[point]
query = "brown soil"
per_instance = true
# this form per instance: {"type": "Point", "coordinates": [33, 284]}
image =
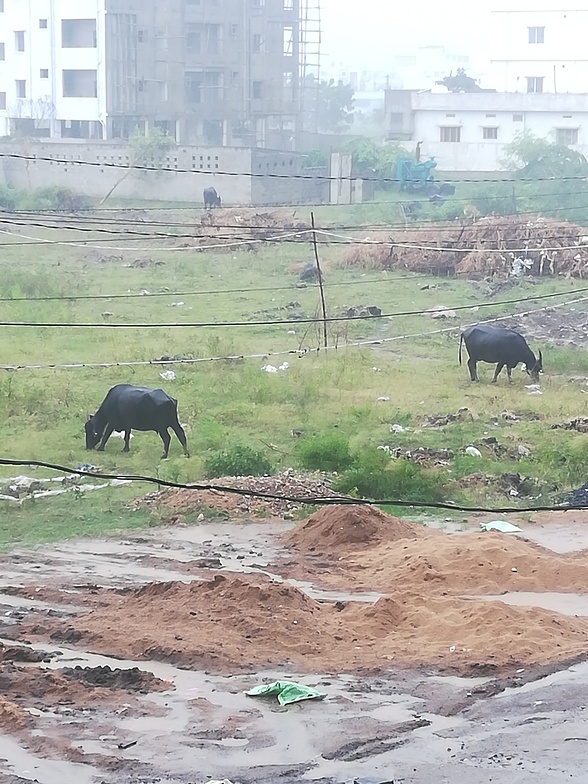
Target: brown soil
{"type": "Point", "coordinates": [246, 623]}
{"type": "Point", "coordinates": [174, 505]}
{"type": "Point", "coordinates": [340, 528]}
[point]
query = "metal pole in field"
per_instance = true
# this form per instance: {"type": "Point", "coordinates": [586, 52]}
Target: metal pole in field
{"type": "Point", "coordinates": [320, 277]}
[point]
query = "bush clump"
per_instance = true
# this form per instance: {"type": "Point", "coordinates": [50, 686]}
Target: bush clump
{"type": "Point", "coordinates": [328, 452]}
{"type": "Point", "coordinates": [374, 475]}
{"type": "Point", "coordinates": [239, 460]}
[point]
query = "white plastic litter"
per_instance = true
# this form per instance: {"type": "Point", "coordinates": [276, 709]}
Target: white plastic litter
{"type": "Point", "coordinates": [284, 366]}
{"type": "Point", "coordinates": [473, 452]}
{"type": "Point", "coordinates": [383, 399]}
{"type": "Point", "coordinates": [502, 526]}
{"type": "Point", "coordinates": [269, 369]}
{"type": "Point", "coordinates": [397, 429]}
{"type": "Point", "coordinates": [168, 375]}
{"type": "Point", "coordinates": [176, 304]}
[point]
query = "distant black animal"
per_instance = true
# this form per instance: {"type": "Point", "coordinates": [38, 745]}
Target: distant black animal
{"type": "Point", "coordinates": [310, 272]}
{"type": "Point", "coordinates": [503, 346]}
{"type": "Point", "coordinates": [127, 408]}
{"type": "Point", "coordinates": [211, 198]}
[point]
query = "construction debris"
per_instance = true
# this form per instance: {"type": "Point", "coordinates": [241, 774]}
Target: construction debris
{"type": "Point", "coordinates": [503, 246]}
{"type": "Point", "coordinates": [287, 483]}
{"type": "Point", "coordinates": [579, 424]}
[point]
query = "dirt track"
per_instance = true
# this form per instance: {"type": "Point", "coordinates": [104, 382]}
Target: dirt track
{"type": "Point", "coordinates": [346, 604]}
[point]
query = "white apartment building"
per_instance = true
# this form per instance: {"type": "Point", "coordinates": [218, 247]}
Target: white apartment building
{"type": "Point", "coordinates": [207, 72]}
{"type": "Point", "coordinates": [538, 46]}
{"type": "Point", "coordinates": [52, 77]}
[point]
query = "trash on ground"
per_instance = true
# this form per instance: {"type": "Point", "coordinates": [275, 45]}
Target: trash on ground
{"type": "Point", "coordinates": [473, 452]}
{"type": "Point", "coordinates": [168, 375]}
{"type": "Point", "coordinates": [383, 399]}
{"type": "Point", "coordinates": [269, 369]}
{"type": "Point", "coordinates": [287, 692]}
{"type": "Point", "coordinates": [502, 526]}
{"type": "Point", "coordinates": [397, 429]}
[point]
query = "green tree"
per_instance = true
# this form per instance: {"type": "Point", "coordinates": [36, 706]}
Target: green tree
{"type": "Point", "coordinates": [381, 158]}
{"type": "Point", "coordinates": [145, 150]}
{"type": "Point", "coordinates": [555, 177]}
{"type": "Point", "coordinates": [331, 102]}
{"type": "Point", "coordinates": [460, 83]}
{"type": "Point", "coordinates": [531, 157]}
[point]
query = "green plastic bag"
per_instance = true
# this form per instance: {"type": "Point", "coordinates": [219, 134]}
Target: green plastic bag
{"type": "Point", "coordinates": [286, 691]}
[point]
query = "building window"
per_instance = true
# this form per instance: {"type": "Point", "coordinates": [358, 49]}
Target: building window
{"type": "Point", "coordinates": [193, 39]}
{"type": "Point", "coordinates": [489, 133]}
{"type": "Point", "coordinates": [193, 87]}
{"type": "Point", "coordinates": [80, 84]}
{"type": "Point", "coordinates": [517, 118]}
{"type": "Point", "coordinates": [42, 24]}
{"type": "Point", "coordinates": [288, 40]}
{"type": "Point", "coordinates": [2, 11]}
{"type": "Point", "coordinates": [2, 101]}
{"type": "Point", "coordinates": [2, 52]}
{"type": "Point", "coordinates": [450, 133]}
{"type": "Point", "coordinates": [257, 43]}
{"type": "Point", "coordinates": [141, 36]}
{"type": "Point", "coordinates": [21, 88]}
{"type": "Point", "coordinates": [19, 40]}
{"type": "Point", "coordinates": [534, 84]}
{"type": "Point", "coordinates": [490, 115]}
{"type": "Point", "coordinates": [536, 35]}
{"type": "Point", "coordinates": [256, 90]}
{"type": "Point", "coordinates": [44, 73]}
{"type": "Point", "coordinates": [566, 136]}
{"type": "Point", "coordinates": [234, 30]}
{"type": "Point", "coordinates": [288, 5]}
{"type": "Point", "coordinates": [78, 34]}
{"type": "Point", "coordinates": [212, 36]}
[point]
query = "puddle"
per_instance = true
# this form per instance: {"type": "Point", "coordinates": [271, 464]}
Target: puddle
{"type": "Point", "coordinates": [564, 603]}
{"type": "Point", "coordinates": [559, 537]}
{"type": "Point", "coordinates": [18, 762]}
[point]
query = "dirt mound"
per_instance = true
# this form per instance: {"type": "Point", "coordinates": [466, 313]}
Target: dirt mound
{"type": "Point", "coordinates": [219, 226]}
{"type": "Point", "coordinates": [443, 248]}
{"type": "Point", "coordinates": [133, 680]}
{"type": "Point", "coordinates": [287, 483]}
{"type": "Point", "coordinates": [471, 563]}
{"type": "Point", "coordinates": [248, 623]}
{"type": "Point", "coordinates": [340, 528]}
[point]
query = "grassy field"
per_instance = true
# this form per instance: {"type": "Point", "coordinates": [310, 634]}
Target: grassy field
{"type": "Point", "coordinates": [225, 403]}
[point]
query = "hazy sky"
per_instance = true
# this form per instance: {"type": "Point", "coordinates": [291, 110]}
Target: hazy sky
{"type": "Point", "coordinates": [365, 33]}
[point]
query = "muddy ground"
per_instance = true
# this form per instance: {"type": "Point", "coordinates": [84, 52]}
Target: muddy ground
{"type": "Point", "coordinates": [443, 657]}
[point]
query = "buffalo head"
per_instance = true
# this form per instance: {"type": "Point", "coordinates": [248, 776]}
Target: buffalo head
{"type": "Point", "coordinates": [92, 435]}
{"type": "Point", "coordinates": [537, 368]}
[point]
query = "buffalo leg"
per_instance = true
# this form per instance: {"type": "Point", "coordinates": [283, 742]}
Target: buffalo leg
{"type": "Point", "coordinates": [107, 433]}
{"type": "Point", "coordinates": [499, 367]}
{"type": "Point", "coordinates": [127, 447]}
{"type": "Point", "coordinates": [166, 438]}
{"type": "Point", "coordinates": [472, 367]}
{"type": "Point", "coordinates": [509, 374]}
{"type": "Point", "coordinates": [179, 431]}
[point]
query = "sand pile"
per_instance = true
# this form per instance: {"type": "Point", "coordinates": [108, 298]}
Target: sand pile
{"type": "Point", "coordinates": [471, 563]}
{"type": "Point", "coordinates": [443, 248]}
{"type": "Point", "coordinates": [245, 623]}
{"type": "Point", "coordinates": [341, 528]}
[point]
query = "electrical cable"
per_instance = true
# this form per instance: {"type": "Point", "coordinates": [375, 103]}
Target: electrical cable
{"type": "Point", "coordinates": [271, 175]}
{"type": "Point", "coordinates": [304, 500]}
{"type": "Point", "coordinates": [281, 322]}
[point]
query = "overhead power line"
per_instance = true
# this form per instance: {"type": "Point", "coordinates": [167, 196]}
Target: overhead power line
{"type": "Point", "coordinates": [281, 322]}
{"type": "Point", "coordinates": [308, 500]}
{"type": "Point", "coordinates": [271, 175]}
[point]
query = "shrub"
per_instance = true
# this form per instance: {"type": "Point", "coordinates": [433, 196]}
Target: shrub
{"type": "Point", "coordinates": [7, 198]}
{"type": "Point", "coordinates": [374, 475]}
{"type": "Point", "coordinates": [327, 452]}
{"type": "Point", "coordinates": [239, 460]}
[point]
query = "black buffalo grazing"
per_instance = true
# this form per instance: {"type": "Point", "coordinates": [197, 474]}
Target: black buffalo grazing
{"type": "Point", "coordinates": [127, 408]}
{"type": "Point", "coordinates": [503, 346]}
{"type": "Point", "coordinates": [211, 198]}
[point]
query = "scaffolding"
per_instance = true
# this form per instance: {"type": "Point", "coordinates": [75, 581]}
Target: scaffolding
{"type": "Point", "coordinates": [310, 62]}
